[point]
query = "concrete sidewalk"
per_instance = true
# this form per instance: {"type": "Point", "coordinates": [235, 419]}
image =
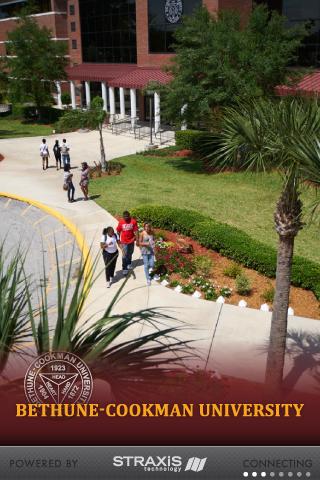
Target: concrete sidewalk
{"type": "Point", "coordinates": [227, 338]}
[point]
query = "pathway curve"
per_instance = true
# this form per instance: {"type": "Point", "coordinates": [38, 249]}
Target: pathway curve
{"type": "Point", "coordinates": [227, 338]}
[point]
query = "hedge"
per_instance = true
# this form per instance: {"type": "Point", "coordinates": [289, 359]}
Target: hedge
{"type": "Point", "coordinates": [189, 139]}
{"type": "Point", "coordinates": [71, 121]}
{"type": "Point", "coordinates": [230, 242]}
{"type": "Point", "coordinates": [47, 114]}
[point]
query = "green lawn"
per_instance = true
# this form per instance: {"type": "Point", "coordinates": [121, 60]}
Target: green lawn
{"type": "Point", "coordinates": [15, 128]}
{"type": "Point", "coordinates": [244, 200]}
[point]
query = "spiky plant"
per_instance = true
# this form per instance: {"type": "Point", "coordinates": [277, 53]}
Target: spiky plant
{"type": "Point", "coordinates": [262, 136]}
{"type": "Point", "coordinates": [14, 320]}
{"type": "Point", "coordinates": [125, 364]}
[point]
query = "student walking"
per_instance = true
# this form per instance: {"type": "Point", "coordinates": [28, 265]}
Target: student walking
{"type": "Point", "coordinates": [44, 154]}
{"type": "Point", "coordinates": [84, 182]}
{"type": "Point", "coordinates": [68, 184]}
{"type": "Point", "coordinates": [128, 231]}
{"type": "Point", "coordinates": [57, 154]}
{"type": "Point", "coordinates": [65, 152]}
{"type": "Point", "coordinates": [147, 244]}
{"type": "Point", "coordinates": [109, 244]}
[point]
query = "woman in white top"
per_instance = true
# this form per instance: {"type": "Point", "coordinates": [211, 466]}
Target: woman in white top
{"type": "Point", "coordinates": [109, 244]}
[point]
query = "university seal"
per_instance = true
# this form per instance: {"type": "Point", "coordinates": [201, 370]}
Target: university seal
{"type": "Point", "coordinates": [58, 377]}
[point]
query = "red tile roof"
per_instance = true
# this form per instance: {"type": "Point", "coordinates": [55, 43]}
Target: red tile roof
{"type": "Point", "coordinates": [309, 85]}
{"type": "Point", "coordinates": [98, 72]}
{"type": "Point", "coordinates": [140, 77]}
{"type": "Point", "coordinates": [118, 75]}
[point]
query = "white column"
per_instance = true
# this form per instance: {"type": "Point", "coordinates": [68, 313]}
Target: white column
{"type": "Point", "coordinates": [59, 102]}
{"type": "Point", "coordinates": [157, 118]}
{"type": "Point", "coordinates": [88, 95]}
{"type": "Point", "coordinates": [112, 103]}
{"type": "Point", "coordinates": [104, 95]}
{"type": "Point", "coordinates": [122, 104]}
{"type": "Point", "coordinates": [133, 106]}
{"type": "Point", "coordinates": [184, 125]}
{"type": "Point", "coordinates": [73, 94]}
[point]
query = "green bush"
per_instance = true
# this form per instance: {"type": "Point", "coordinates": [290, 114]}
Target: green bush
{"type": "Point", "coordinates": [230, 242]}
{"type": "Point", "coordinates": [232, 270]}
{"type": "Point", "coordinates": [243, 285]}
{"type": "Point", "coordinates": [268, 294]}
{"type": "Point", "coordinates": [169, 218]}
{"type": "Point", "coordinates": [203, 265]}
{"type": "Point", "coordinates": [65, 98]}
{"type": "Point", "coordinates": [72, 120]}
{"type": "Point", "coordinates": [189, 139]}
{"type": "Point", "coordinates": [45, 114]}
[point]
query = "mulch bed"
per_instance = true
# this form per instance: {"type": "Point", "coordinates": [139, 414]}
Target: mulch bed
{"type": "Point", "coordinates": [302, 301]}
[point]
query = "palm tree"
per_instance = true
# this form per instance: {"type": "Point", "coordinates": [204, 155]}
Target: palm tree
{"type": "Point", "coordinates": [14, 321]}
{"type": "Point", "coordinates": [263, 136]}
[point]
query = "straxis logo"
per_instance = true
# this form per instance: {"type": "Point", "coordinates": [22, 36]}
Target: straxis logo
{"type": "Point", "coordinates": [195, 464]}
{"type": "Point", "coordinates": [156, 463]}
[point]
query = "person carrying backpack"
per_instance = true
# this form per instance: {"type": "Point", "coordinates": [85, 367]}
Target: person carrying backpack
{"type": "Point", "coordinates": [44, 154]}
{"type": "Point", "coordinates": [109, 244]}
{"type": "Point", "coordinates": [57, 154]}
{"type": "Point", "coordinates": [65, 149]}
{"type": "Point", "coordinates": [68, 183]}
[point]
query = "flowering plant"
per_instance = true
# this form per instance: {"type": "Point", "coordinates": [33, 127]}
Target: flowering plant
{"type": "Point", "coordinates": [225, 292]}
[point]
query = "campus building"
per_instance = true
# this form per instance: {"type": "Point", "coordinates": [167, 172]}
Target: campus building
{"type": "Point", "coordinates": [117, 47]}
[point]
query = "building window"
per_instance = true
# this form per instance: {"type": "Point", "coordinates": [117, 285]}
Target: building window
{"type": "Point", "coordinates": [297, 13]}
{"type": "Point", "coordinates": [73, 26]}
{"type": "Point", "coordinates": [12, 8]}
{"type": "Point", "coordinates": [165, 16]}
{"type": "Point", "coordinates": [71, 9]}
{"type": "Point", "coordinates": [74, 44]}
{"type": "Point", "coordinates": [108, 31]}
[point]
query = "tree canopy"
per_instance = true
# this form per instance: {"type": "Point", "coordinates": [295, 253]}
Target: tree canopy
{"type": "Point", "coordinates": [34, 61]}
{"type": "Point", "coordinates": [219, 61]}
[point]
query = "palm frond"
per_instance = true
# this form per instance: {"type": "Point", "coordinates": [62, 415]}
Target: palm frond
{"type": "Point", "coordinates": [14, 321]}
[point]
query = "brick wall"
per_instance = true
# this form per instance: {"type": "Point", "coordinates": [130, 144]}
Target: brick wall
{"type": "Point", "coordinates": [57, 23]}
{"type": "Point", "coordinates": [75, 54]}
{"type": "Point", "coordinates": [242, 6]}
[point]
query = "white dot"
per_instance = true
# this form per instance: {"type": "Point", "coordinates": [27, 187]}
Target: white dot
{"type": "Point", "coordinates": [245, 474]}
{"type": "Point", "coordinates": [299, 474]}
{"type": "Point", "coordinates": [263, 474]}
{"type": "Point", "coordinates": [290, 474]}
{"type": "Point", "coordinates": [254, 474]}
{"type": "Point", "coordinates": [308, 474]}
{"type": "Point", "coordinates": [281, 474]}
{"type": "Point", "coordinates": [272, 474]}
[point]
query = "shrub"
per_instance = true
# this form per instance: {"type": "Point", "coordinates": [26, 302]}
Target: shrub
{"type": "Point", "coordinates": [233, 270]}
{"type": "Point", "coordinates": [160, 235]}
{"type": "Point", "coordinates": [211, 294]}
{"type": "Point", "coordinates": [45, 114]}
{"type": "Point", "coordinates": [243, 285]}
{"type": "Point", "coordinates": [189, 139]}
{"type": "Point", "coordinates": [65, 98]}
{"type": "Point", "coordinates": [268, 294]}
{"type": "Point", "coordinates": [175, 262]}
{"type": "Point", "coordinates": [71, 121]}
{"type": "Point", "coordinates": [188, 289]}
{"type": "Point", "coordinates": [230, 242]}
{"type": "Point", "coordinates": [225, 292]}
{"type": "Point", "coordinates": [203, 265]}
{"type": "Point", "coordinates": [173, 283]}
{"type": "Point", "coordinates": [169, 218]}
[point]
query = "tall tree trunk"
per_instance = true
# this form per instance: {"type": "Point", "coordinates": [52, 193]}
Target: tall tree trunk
{"type": "Point", "coordinates": [278, 332]}
{"type": "Point", "coordinates": [102, 152]}
{"type": "Point", "coordinates": [288, 222]}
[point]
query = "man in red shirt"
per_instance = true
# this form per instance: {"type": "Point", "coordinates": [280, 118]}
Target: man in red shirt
{"type": "Point", "coordinates": [128, 231]}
